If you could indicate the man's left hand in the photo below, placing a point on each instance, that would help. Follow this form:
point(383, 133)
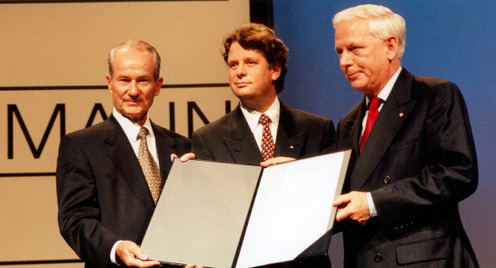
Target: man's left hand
point(276, 160)
point(184, 158)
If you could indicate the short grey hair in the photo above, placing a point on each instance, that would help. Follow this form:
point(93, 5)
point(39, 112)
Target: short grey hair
point(382, 21)
point(139, 44)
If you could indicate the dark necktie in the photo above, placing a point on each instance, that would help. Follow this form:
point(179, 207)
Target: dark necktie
point(267, 140)
point(372, 116)
point(148, 165)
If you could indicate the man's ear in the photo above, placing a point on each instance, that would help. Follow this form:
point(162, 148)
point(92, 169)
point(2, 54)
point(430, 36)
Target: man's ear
point(392, 47)
point(109, 80)
point(159, 83)
point(276, 71)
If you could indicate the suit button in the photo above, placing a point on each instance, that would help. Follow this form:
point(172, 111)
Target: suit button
point(386, 180)
point(378, 257)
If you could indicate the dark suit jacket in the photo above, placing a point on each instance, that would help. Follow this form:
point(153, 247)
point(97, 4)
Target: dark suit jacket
point(230, 140)
point(102, 193)
point(418, 163)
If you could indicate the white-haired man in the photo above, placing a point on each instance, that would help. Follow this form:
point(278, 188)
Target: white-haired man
point(413, 154)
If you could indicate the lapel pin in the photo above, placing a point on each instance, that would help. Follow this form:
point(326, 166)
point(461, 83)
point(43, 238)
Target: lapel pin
point(401, 115)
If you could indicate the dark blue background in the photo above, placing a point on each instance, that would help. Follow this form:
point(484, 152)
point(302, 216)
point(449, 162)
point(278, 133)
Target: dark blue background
point(454, 40)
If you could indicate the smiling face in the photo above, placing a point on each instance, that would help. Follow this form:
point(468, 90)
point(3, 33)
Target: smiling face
point(251, 78)
point(133, 85)
point(366, 61)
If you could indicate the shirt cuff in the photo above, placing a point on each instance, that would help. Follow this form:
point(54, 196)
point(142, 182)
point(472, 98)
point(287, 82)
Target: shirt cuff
point(113, 258)
point(372, 210)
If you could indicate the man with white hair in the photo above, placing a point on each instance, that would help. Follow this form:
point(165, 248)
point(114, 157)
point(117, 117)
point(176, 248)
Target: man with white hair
point(413, 154)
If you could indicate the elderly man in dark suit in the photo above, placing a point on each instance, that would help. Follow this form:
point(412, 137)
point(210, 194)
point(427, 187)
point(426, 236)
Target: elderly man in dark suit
point(256, 61)
point(109, 176)
point(413, 154)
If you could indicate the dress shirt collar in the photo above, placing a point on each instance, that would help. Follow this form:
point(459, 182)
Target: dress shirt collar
point(252, 116)
point(131, 129)
point(386, 90)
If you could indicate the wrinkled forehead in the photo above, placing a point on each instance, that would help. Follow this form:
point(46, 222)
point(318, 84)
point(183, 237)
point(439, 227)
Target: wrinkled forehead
point(355, 25)
point(355, 30)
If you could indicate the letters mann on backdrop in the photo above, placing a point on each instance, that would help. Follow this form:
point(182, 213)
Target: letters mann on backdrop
point(36, 119)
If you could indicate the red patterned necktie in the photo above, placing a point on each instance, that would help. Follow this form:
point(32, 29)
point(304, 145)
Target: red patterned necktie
point(149, 166)
point(372, 116)
point(267, 140)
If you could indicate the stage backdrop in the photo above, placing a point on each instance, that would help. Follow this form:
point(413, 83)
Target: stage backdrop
point(445, 38)
point(52, 82)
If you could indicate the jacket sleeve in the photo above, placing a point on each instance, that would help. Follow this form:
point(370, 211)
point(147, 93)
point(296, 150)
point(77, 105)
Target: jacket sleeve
point(79, 211)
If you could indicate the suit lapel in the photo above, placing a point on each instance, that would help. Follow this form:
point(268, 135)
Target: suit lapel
point(356, 130)
point(289, 142)
point(393, 114)
point(165, 147)
point(125, 161)
point(241, 144)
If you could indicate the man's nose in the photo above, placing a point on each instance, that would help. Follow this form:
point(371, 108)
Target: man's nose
point(241, 70)
point(345, 59)
point(133, 89)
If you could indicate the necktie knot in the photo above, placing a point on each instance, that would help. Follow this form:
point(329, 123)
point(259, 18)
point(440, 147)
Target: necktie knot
point(143, 132)
point(264, 119)
point(374, 103)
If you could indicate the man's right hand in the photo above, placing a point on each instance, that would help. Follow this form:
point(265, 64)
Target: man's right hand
point(132, 255)
point(353, 205)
